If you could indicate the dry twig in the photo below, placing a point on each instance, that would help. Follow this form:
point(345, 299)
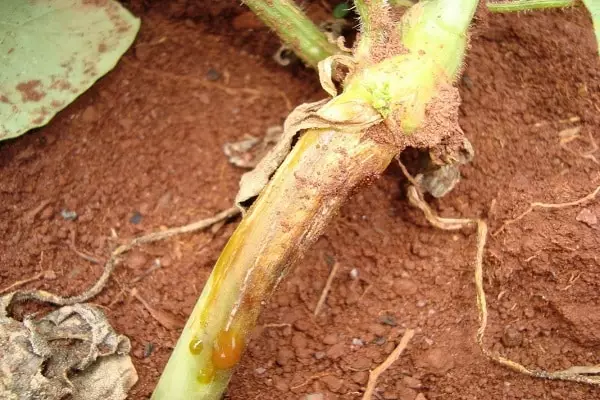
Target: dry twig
point(326, 288)
point(374, 374)
point(309, 380)
point(166, 320)
point(23, 282)
point(46, 297)
point(572, 134)
point(536, 204)
point(85, 256)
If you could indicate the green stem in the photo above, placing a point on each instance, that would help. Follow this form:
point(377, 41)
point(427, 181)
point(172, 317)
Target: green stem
point(524, 5)
point(434, 40)
point(294, 29)
point(374, 25)
point(366, 10)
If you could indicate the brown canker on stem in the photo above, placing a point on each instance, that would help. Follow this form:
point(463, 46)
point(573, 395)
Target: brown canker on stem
point(439, 127)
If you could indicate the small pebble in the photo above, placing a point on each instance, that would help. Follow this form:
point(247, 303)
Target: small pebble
point(361, 363)
point(529, 312)
point(47, 213)
point(319, 355)
point(302, 325)
point(360, 377)
point(405, 287)
point(213, 75)
point(329, 260)
point(68, 215)
point(336, 351)
point(587, 217)
point(148, 349)
point(512, 338)
point(314, 396)
point(90, 114)
point(357, 342)
point(467, 81)
point(412, 382)
point(280, 384)
point(136, 218)
point(437, 361)
point(136, 260)
point(388, 320)
point(49, 275)
point(284, 356)
point(330, 339)
point(389, 395)
point(379, 340)
point(260, 370)
point(299, 341)
point(333, 383)
point(354, 273)
point(405, 393)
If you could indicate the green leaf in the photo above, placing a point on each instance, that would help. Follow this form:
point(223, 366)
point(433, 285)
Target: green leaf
point(52, 51)
point(341, 10)
point(593, 7)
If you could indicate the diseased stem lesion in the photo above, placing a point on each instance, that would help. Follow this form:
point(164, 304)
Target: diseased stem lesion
point(294, 29)
point(289, 215)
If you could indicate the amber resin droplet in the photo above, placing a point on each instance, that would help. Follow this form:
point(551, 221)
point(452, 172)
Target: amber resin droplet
point(227, 349)
point(196, 346)
point(206, 374)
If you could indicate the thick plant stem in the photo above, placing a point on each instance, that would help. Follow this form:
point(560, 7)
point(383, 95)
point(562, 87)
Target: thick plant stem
point(524, 5)
point(316, 177)
point(294, 29)
point(301, 198)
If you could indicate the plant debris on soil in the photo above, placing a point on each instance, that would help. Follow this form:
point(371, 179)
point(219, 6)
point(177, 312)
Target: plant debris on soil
point(147, 140)
point(70, 353)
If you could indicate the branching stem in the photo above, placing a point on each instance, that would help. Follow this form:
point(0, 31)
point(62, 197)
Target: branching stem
point(294, 29)
point(525, 5)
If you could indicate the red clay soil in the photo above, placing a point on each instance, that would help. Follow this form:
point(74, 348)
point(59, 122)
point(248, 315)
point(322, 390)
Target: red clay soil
point(143, 149)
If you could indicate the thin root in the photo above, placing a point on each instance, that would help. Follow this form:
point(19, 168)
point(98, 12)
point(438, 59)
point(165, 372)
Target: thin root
point(309, 380)
point(569, 135)
point(81, 254)
point(374, 374)
point(535, 205)
point(582, 374)
point(325, 291)
point(282, 325)
point(22, 282)
point(98, 286)
point(161, 317)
